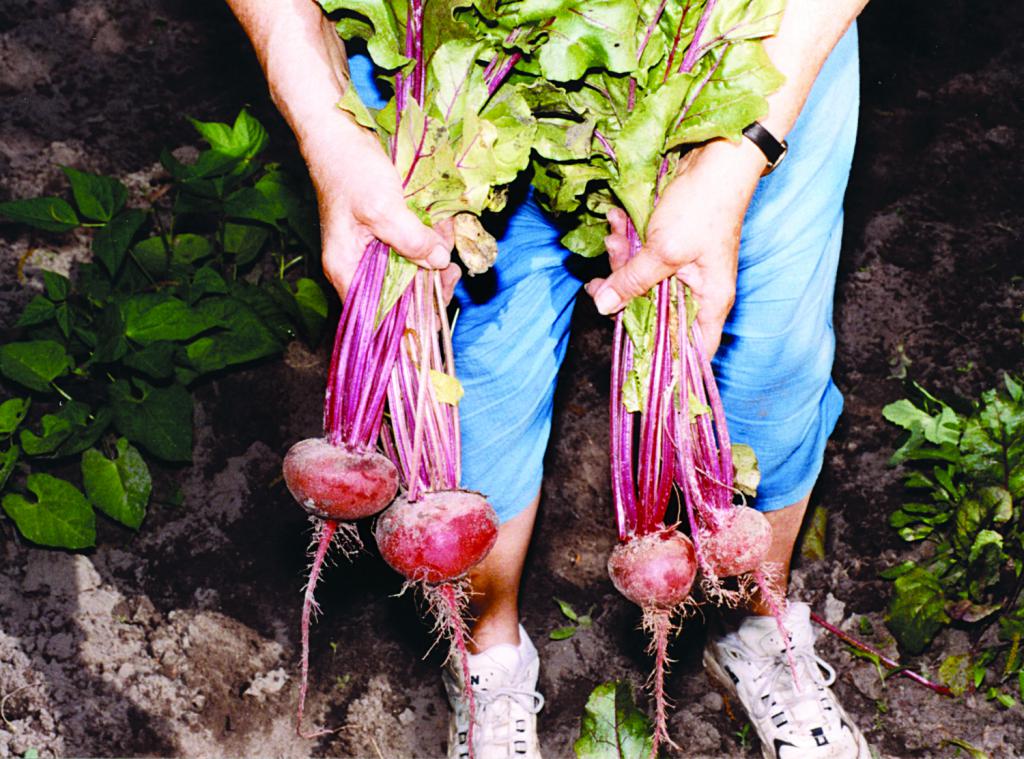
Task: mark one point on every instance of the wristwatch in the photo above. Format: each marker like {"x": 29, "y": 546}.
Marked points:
{"x": 774, "y": 150}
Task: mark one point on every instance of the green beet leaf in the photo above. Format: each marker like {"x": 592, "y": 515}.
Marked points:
{"x": 374, "y": 21}
{"x": 97, "y": 197}
{"x": 120, "y": 488}
{"x": 722, "y": 101}
{"x": 59, "y": 517}
{"x": 48, "y": 214}
{"x": 34, "y": 364}
{"x": 918, "y": 609}
{"x": 612, "y": 726}
{"x": 157, "y": 418}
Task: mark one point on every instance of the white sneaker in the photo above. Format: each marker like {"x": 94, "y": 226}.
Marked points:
{"x": 504, "y": 683}
{"x": 792, "y": 723}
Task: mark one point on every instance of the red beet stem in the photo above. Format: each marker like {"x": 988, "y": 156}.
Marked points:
{"x": 942, "y": 690}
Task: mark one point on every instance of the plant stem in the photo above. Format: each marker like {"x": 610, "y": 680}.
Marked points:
{"x": 890, "y": 663}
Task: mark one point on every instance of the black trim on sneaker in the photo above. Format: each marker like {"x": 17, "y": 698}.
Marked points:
{"x": 779, "y": 743}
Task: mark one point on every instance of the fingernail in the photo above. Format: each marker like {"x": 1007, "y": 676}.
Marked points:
{"x": 607, "y": 301}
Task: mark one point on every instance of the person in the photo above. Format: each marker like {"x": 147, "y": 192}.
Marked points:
{"x": 770, "y": 244}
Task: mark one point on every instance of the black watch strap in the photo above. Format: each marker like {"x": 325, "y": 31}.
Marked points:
{"x": 774, "y": 151}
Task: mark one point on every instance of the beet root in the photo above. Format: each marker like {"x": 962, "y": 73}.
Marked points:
{"x": 654, "y": 571}
{"x": 439, "y": 537}
{"x": 333, "y": 482}
{"x": 740, "y": 545}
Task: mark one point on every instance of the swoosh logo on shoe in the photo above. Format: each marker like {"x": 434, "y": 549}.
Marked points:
{"x": 778, "y": 744}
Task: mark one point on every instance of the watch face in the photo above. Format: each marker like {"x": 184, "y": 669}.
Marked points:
{"x": 774, "y": 164}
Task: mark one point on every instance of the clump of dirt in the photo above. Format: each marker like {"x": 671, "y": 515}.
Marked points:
{"x": 182, "y": 640}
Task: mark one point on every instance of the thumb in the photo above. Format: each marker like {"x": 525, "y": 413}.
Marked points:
{"x": 638, "y": 275}
{"x": 414, "y": 240}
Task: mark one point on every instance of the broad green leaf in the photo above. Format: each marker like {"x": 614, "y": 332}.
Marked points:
{"x": 743, "y": 20}
{"x": 112, "y": 242}
{"x": 243, "y": 336}
{"x": 60, "y": 516}
{"x": 639, "y": 320}
{"x": 206, "y": 282}
{"x": 57, "y": 286}
{"x": 592, "y": 34}
{"x": 724, "y": 100}
{"x": 7, "y": 461}
{"x": 38, "y": 311}
{"x": 560, "y": 185}
{"x": 12, "y": 413}
{"x": 155, "y": 359}
{"x": 350, "y": 103}
{"x": 447, "y": 389}
{"x": 188, "y": 248}
{"x": 86, "y": 434}
{"x": 381, "y": 30}
{"x": 397, "y": 279}
{"x": 242, "y": 140}
{"x": 587, "y": 239}
{"x": 111, "y": 344}
{"x": 157, "y": 418}
{"x": 48, "y": 214}
{"x": 244, "y": 241}
{"x": 494, "y": 146}
{"x": 250, "y": 203}
{"x": 119, "y": 488}
{"x": 612, "y": 726}
{"x": 56, "y": 429}
{"x": 917, "y": 610}
{"x": 640, "y": 145}
{"x": 62, "y": 315}
{"x": 34, "y": 364}
{"x": 97, "y": 197}
{"x": 562, "y": 633}
{"x": 150, "y": 317}
{"x": 986, "y": 541}
{"x": 747, "y": 472}
{"x": 312, "y": 305}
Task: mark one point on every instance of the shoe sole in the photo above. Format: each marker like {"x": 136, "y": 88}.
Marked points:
{"x": 717, "y": 673}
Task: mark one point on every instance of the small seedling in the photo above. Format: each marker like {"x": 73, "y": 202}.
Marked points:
{"x": 743, "y": 736}
{"x": 577, "y": 622}
{"x": 342, "y": 681}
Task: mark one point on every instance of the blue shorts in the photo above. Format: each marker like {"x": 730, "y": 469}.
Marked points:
{"x": 776, "y": 358}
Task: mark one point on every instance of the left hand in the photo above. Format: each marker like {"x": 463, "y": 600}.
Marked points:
{"x": 694, "y": 233}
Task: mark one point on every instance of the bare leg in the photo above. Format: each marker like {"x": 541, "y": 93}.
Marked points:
{"x": 495, "y": 599}
{"x": 785, "y": 524}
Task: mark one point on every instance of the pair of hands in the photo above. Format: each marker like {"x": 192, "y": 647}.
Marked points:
{"x": 694, "y": 232}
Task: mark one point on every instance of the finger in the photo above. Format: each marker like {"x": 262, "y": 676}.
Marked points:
{"x": 593, "y": 286}
{"x": 402, "y": 230}
{"x": 446, "y": 230}
{"x": 617, "y": 219}
{"x": 618, "y": 250}
{"x": 638, "y": 275}
{"x": 450, "y": 277}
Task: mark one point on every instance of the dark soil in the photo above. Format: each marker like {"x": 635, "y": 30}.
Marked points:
{"x": 183, "y": 640}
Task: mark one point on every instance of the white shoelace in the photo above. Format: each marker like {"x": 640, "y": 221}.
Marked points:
{"x": 529, "y": 700}
{"x": 776, "y": 668}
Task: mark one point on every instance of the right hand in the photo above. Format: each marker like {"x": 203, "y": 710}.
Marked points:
{"x": 360, "y": 197}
